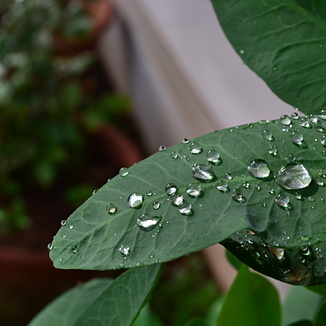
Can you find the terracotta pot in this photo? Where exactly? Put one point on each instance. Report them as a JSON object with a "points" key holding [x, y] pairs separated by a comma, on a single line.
{"points": [[28, 280]]}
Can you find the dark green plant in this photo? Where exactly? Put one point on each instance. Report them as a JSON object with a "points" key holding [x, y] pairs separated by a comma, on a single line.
{"points": [[259, 189], [43, 94]]}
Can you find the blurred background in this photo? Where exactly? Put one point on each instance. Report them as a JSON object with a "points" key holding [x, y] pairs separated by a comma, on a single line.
{"points": [[87, 87]]}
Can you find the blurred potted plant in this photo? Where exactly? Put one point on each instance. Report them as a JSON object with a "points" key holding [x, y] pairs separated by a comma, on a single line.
{"points": [[53, 122]]}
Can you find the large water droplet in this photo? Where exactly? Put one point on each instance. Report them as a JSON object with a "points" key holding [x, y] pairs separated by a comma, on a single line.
{"points": [[259, 169], [194, 190], [195, 148], [148, 222], [267, 135], [282, 201], [203, 172], [238, 196], [293, 176], [136, 200], [213, 157], [111, 208], [124, 251], [124, 172], [285, 120], [222, 186], [171, 189]]}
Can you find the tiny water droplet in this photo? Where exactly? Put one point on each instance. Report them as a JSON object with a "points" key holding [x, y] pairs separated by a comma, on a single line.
{"points": [[323, 141], [313, 119], [273, 150], [282, 201], [195, 148], [187, 210], [203, 172], [194, 190], [305, 238], [297, 138], [63, 222], [50, 246], [312, 206], [178, 201], [71, 227], [228, 176], [293, 176], [320, 183], [174, 155], [298, 196], [111, 208], [156, 205], [94, 192], [263, 122], [267, 135], [246, 185], [124, 172], [74, 249], [238, 196], [320, 128], [213, 157], [148, 222], [259, 169], [135, 200], [171, 189], [277, 252], [124, 251], [162, 148], [311, 199], [222, 186], [295, 116], [263, 204], [258, 187], [285, 120], [185, 141], [242, 51]]}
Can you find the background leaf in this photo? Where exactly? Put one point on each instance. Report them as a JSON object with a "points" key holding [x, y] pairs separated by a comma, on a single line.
{"points": [[284, 43], [147, 318], [65, 310], [299, 305], [320, 289], [321, 316], [104, 232], [251, 301], [197, 322]]}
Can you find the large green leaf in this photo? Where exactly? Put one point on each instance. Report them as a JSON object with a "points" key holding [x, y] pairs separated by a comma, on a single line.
{"points": [[104, 232], [102, 301], [321, 316], [283, 42], [251, 301]]}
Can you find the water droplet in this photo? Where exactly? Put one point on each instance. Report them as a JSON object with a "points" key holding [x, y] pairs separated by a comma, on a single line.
{"points": [[50, 246], [135, 200], [311, 199], [185, 141], [148, 222], [156, 205], [203, 172], [195, 148], [174, 155], [258, 187], [222, 186], [322, 115], [285, 120], [246, 185], [312, 206], [178, 201], [74, 249], [259, 169], [124, 172], [94, 192], [293, 176], [313, 119], [124, 251], [277, 252], [63, 222], [282, 201], [187, 210], [305, 123], [297, 138], [194, 190], [263, 122], [162, 148], [71, 227], [295, 116], [238, 196], [171, 189], [298, 196], [320, 183], [228, 176], [320, 128], [242, 52], [267, 135], [273, 150], [213, 157], [263, 204], [323, 141], [111, 208]]}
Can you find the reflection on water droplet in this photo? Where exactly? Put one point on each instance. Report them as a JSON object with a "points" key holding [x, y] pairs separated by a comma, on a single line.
{"points": [[222, 186], [285, 120], [293, 176], [203, 172], [156, 205], [259, 169], [124, 172], [267, 135], [238, 196], [273, 150], [171, 189], [178, 201], [162, 148], [187, 210], [124, 251], [277, 252], [300, 275], [111, 208], [135, 200], [185, 141], [194, 190], [297, 138], [213, 157], [63, 222], [282, 201], [148, 222], [195, 148]]}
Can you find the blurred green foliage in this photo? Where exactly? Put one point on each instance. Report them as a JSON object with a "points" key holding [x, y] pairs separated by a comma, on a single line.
{"points": [[42, 95]]}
